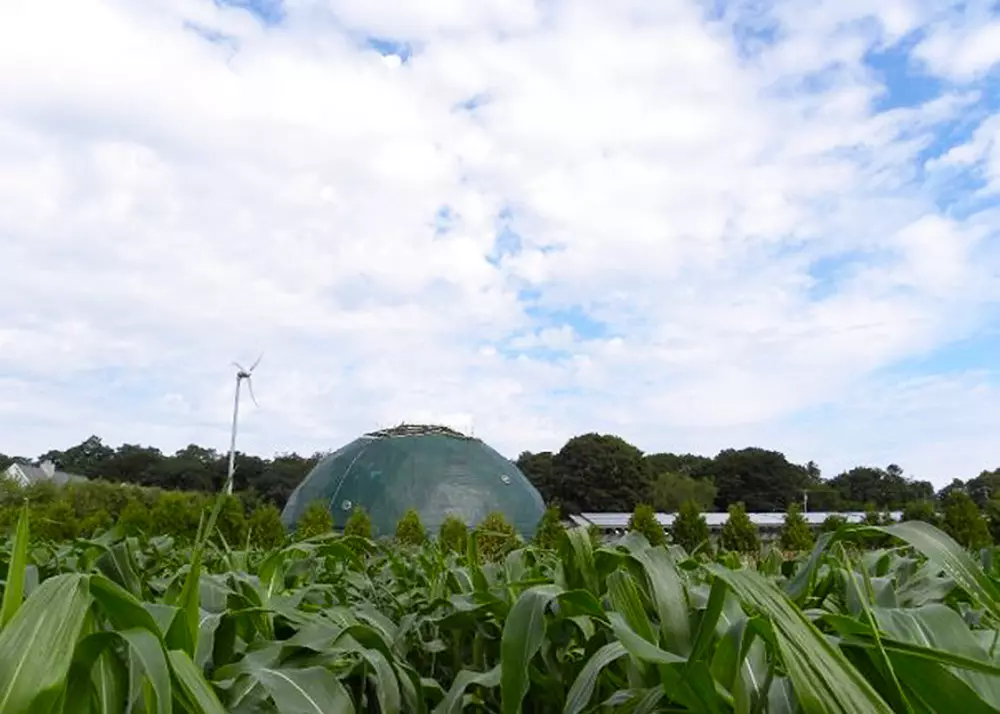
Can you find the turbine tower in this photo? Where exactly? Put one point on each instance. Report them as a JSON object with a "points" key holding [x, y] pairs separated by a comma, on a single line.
{"points": [[241, 374]]}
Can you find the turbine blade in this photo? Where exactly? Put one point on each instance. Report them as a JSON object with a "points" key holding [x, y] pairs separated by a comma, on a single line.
{"points": [[250, 389], [238, 366], [254, 365]]}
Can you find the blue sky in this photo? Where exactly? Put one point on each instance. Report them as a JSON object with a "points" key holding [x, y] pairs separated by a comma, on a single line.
{"points": [[696, 225]]}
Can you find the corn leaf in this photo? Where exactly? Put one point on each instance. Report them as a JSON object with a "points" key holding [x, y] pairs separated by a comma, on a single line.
{"points": [[13, 589]]}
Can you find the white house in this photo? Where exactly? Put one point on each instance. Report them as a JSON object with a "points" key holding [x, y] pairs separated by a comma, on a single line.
{"points": [[26, 474]]}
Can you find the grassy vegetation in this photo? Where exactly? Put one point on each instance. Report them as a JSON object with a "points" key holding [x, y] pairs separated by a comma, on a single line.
{"points": [[119, 623]]}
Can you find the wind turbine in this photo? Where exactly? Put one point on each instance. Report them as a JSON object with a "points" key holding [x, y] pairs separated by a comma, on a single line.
{"points": [[241, 374]]}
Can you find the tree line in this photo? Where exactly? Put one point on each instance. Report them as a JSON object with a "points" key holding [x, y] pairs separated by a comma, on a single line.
{"points": [[591, 472], [193, 468], [603, 472]]}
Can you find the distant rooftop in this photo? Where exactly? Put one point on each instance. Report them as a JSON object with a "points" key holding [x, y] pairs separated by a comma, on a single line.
{"points": [[46, 471], [614, 521]]}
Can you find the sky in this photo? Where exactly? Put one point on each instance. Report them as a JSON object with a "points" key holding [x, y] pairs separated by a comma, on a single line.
{"points": [[697, 225]]}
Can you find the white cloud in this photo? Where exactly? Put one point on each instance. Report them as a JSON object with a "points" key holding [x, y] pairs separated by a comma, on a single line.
{"points": [[756, 247]]}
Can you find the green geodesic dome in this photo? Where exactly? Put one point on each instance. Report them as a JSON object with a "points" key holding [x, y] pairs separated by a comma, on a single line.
{"points": [[435, 470]]}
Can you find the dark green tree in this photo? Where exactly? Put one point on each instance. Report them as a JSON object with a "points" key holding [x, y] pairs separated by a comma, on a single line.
{"points": [[921, 511], [760, 479], [600, 472], [739, 534], [795, 532], [671, 489], [992, 515], [643, 520], [964, 522], [689, 529], [540, 471]]}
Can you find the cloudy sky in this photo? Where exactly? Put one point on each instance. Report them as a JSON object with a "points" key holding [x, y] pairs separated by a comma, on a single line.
{"points": [[694, 224]]}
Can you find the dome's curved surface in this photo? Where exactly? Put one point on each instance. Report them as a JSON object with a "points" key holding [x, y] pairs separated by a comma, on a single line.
{"points": [[435, 470]]}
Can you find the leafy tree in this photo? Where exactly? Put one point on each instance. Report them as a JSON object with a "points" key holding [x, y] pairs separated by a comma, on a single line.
{"points": [[409, 530], [956, 484], [992, 515], [739, 534], [453, 534], [358, 524], [266, 528], [984, 487], [795, 532], [599, 472], [550, 529], [315, 520], [495, 537], [697, 467], [540, 471], [884, 488], [671, 490], [921, 511], [643, 520], [689, 529], [964, 523], [760, 479], [88, 458]]}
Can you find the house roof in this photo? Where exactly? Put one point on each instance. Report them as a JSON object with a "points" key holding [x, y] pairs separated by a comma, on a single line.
{"points": [[36, 474]]}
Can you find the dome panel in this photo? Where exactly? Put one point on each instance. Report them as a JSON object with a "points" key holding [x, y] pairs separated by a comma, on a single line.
{"points": [[437, 471]]}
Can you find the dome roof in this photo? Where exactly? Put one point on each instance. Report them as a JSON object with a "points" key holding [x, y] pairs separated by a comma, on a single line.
{"points": [[435, 470]]}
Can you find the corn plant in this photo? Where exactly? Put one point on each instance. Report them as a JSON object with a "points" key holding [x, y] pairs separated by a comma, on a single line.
{"points": [[334, 623]]}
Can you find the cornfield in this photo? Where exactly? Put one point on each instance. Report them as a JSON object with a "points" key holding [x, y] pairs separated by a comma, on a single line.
{"points": [[344, 624]]}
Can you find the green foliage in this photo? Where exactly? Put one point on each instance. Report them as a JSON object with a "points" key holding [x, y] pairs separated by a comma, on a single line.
{"points": [[358, 524], [963, 521], [992, 515], [550, 530], [314, 521], [95, 523], [643, 520], [409, 530], [176, 514], [265, 526], [739, 534], [135, 519], [232, 522], [453, 534], [831, 523], [921, 511], [55, 521], [599, 472], [689, 529], [795, 532], [761, 479], [495, 537], [88, 630], [671, 490]]}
